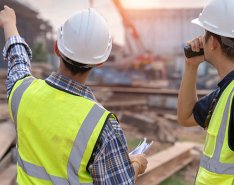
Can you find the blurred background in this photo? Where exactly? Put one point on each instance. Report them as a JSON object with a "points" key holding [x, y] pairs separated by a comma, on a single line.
{"points": [[139, 83]]}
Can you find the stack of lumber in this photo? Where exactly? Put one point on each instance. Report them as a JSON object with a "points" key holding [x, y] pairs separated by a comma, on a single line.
{"points": [[7, 154], [164, 164]]}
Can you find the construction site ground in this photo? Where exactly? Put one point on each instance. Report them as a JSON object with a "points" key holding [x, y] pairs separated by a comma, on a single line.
{"points": [[139, 117], [187, 175]]}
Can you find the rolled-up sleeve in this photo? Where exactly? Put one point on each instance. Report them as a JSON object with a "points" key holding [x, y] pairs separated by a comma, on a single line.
{"points": [[111, 164], [18, 55]]}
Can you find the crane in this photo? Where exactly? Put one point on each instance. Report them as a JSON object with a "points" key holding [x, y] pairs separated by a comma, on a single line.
{"points": [[130, 28], [90, 3], [133, 40], [138, 53]]}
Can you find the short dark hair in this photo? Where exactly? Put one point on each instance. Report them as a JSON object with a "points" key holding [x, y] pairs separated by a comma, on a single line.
{"points": [[227, 50], [74, 67]]}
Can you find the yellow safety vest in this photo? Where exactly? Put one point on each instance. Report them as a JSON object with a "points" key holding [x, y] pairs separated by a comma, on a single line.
{"points": [[217, 162], [56, 131]]}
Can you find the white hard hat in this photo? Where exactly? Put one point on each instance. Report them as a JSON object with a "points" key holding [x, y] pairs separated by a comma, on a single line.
{"points": [[217, 17], [85, 38]]}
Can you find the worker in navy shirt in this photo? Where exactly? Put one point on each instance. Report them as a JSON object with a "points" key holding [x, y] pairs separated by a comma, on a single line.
{"points": [[213, 112], [201, 108], [204, 105]]}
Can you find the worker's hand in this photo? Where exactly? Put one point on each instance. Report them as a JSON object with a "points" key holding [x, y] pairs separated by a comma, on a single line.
{"points": [[8, 22], [196, 44], [139, 163], [7, 17]]}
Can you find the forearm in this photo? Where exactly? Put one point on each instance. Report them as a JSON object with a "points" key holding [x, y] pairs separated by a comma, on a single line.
{"points": [[16, 51], [187, 95], [8, 22], [10, 30]]}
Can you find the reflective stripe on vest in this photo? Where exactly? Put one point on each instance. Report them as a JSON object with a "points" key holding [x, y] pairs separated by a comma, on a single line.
{"points": [[81, 142], [213, 164], [39, 172], [16, 97], [78, 148]]}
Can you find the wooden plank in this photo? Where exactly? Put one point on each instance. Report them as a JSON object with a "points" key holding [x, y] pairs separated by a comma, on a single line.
{"points": [[170, 117], [5, 162], [8, 177], [4, 112], [3, 97], [128, 103], [164, 164], [7, 137], [144, 90]]}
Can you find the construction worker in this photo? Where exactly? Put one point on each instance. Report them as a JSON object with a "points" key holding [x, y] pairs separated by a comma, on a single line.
{"points": [[64, 136], [214, 112]]}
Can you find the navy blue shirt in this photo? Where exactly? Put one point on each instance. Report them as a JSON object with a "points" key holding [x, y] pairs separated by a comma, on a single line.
{"points": [[202, 107]]}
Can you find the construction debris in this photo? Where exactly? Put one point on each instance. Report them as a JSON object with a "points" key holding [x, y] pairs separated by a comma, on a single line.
{"points": [[156, 128]]}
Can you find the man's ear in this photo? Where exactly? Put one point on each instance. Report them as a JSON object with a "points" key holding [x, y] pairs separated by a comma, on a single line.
{"points": [[214, 43], [99, 65], [56, 50]]}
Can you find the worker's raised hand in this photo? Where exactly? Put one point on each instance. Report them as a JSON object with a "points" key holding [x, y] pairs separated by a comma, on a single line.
{"points": [[8, 22], [139, 163], [196, 44], [7, 17]]}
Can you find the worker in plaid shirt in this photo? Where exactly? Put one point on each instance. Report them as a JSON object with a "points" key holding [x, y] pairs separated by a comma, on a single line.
{"points": [[109, 162]]}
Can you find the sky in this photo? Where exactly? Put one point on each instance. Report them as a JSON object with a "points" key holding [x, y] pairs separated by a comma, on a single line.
{"points": [[57, 11]]}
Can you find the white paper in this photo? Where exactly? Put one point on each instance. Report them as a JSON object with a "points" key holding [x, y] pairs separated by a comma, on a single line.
{"points": [[141, 148]]}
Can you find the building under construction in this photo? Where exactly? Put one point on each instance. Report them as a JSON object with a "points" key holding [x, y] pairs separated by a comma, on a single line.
{"points": [[33, 29]]}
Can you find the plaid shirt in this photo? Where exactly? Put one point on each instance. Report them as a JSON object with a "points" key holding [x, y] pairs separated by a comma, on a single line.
{"points": [[110, 163]]}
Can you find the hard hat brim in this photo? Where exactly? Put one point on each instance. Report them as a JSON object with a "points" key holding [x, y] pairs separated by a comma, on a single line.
{"points": [[199, 23], [196, 21]]}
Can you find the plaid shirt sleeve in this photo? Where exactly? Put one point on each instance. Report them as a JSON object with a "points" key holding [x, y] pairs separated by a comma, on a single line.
{"points": [[111, 164], [18, 55]]}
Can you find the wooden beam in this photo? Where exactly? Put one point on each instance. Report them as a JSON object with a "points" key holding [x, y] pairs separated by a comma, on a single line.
{"points": [[128, 103], [166, 163], [3, 98], [6, 161], [8, 177], [4, 113], [7, 138], [144, 90]]}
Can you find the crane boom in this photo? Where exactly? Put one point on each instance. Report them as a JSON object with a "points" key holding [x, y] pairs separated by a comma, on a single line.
{"points": [[139, 55], [126, 20], [129, 26], [91, 3]]}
